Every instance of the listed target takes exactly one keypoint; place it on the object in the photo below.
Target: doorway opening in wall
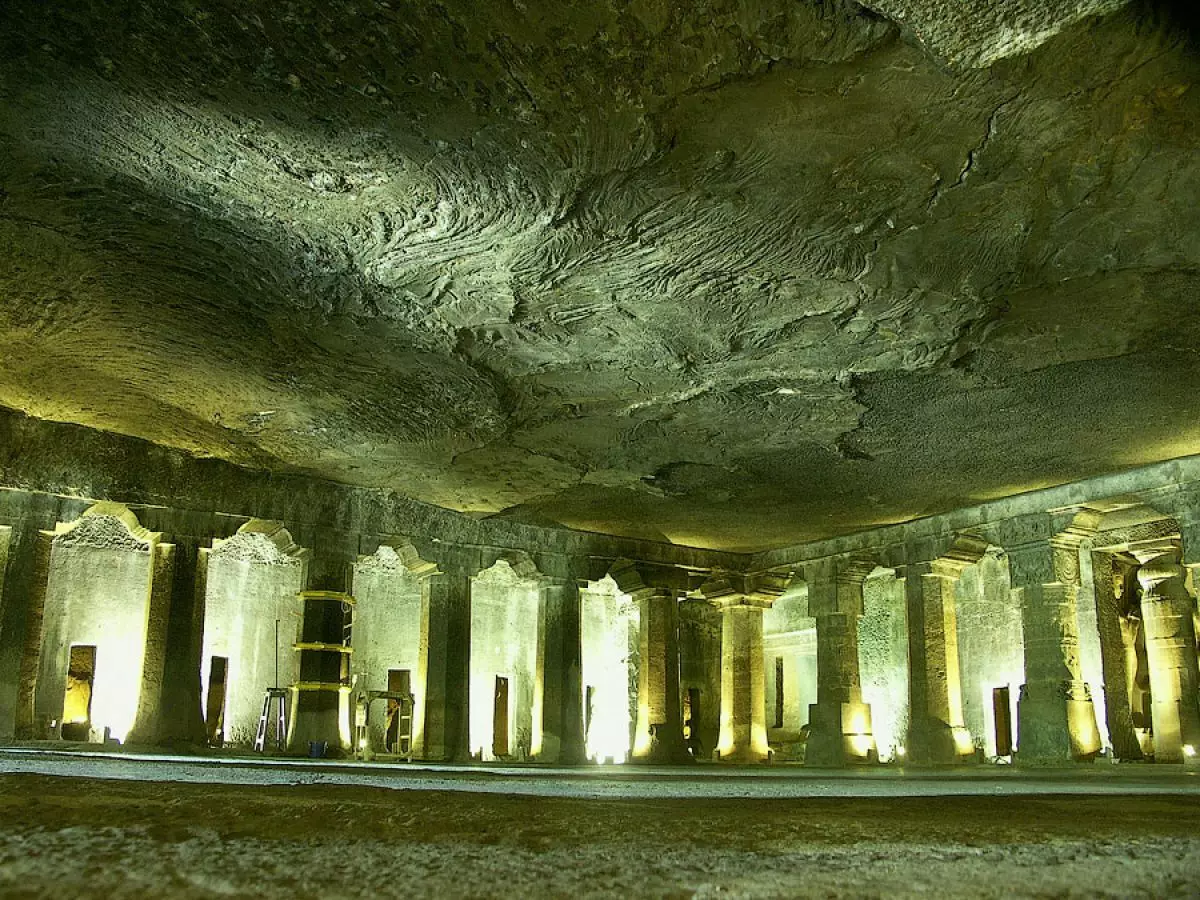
(1002, 714)
(214, 703)
(691, 721)
(588, 701)
(778, 692)
(500, 718)
(77, 703)
(398, 735)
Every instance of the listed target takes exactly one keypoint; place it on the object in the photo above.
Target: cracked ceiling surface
(735, 274)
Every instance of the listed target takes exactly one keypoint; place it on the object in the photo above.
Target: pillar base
(840, 735)
(560, 753)
(746, 754)
(666, 747)
(319, 714)
(935, 743)
(1056, 724)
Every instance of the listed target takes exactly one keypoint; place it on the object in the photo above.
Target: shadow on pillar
(560, 668)
(659, 739)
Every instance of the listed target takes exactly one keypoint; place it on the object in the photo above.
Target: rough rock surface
(735, 274)
(66, 837)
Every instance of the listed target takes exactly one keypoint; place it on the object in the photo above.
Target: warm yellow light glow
(1189, 750)
(118, 679)
(858, 724)
(609, 636)
(900, 751)
(608, 733)
(861, 744)
(963, 742)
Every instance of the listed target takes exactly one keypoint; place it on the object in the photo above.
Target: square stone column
(147, 725)
(1056, 722)
(443, 675)
(659, 732)
(937, 734)
(24, 573)
(743, 736)
(25, 587)
(1167, 611)
(560, 675)
(839, 722)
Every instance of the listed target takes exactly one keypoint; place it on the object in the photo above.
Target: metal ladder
(260, 740)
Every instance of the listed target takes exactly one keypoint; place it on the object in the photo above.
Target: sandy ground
(77, 837)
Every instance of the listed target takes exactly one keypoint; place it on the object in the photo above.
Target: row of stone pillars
(1056, 719)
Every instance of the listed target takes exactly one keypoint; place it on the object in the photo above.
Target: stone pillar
(937, 734)
(443, 676)
(25, 586)
(560, 736)
(839, 722)
(743, 735)
(23, 578)
(180, 719)
(320, 707)
(1055, 718)
(1171, 653)
(1110, 592)
(659, 732)
(147, 725)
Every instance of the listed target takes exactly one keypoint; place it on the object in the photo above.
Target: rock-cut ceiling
(735, 274)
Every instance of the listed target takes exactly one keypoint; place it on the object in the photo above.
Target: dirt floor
(73, 837)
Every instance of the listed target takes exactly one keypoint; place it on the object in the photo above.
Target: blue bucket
(316, 749)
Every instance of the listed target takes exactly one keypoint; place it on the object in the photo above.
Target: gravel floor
(76, 837)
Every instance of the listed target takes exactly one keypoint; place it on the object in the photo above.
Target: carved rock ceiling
(736, 274)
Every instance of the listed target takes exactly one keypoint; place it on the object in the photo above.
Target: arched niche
(883, 660)
(505, 615)
(390, 588)
(610, 634)
(790, 666)
(94, 623)
(251, 621)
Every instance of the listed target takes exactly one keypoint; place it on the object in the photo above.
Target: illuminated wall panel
(386, 634)
(790, 635)
(97, 595)
(504, 636)
(610, 630)
(252, 619)
(990, 645)
(883, 661)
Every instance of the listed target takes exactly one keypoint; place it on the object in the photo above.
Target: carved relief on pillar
(1057, 720)
(1170, 640)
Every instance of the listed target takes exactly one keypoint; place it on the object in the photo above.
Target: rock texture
(735, 274)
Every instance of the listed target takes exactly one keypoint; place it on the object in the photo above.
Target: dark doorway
(779, 692)
(691, 721)
(500, 718)
(214, 703)
(1002, 712)
(77, 703)
(587, 709)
